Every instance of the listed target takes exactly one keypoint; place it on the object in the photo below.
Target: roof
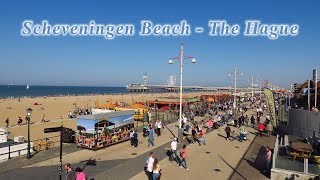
(138, 106)
(106, 115)
(173, 100)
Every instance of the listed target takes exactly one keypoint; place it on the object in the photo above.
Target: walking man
(173, 155)
(246, 119)
(151, 136)
(242, 133)
(228, 131)
(158, 125)
(252, 121)
(149, 166)
(193, 135)
(70, 173)
(183, 155)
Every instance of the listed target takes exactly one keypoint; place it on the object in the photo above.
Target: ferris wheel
(172, 80)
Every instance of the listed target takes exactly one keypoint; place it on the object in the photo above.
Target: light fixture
(170, 61)
(29, 111)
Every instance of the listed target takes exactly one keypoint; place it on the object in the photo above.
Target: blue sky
(95, 61)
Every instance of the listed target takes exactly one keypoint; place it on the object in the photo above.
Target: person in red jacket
(261, 128)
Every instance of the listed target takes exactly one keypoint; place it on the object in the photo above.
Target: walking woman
(156, 170)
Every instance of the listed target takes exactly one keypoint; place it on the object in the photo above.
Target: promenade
(219, 159)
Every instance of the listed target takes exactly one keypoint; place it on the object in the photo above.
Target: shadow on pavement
(234, 170)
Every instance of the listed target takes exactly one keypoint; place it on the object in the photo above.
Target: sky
(96, 61)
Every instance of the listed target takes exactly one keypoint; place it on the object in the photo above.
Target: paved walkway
(217, 160)
(22, 161)
(252, 163)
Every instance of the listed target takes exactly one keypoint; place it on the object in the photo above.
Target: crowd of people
(194, 132)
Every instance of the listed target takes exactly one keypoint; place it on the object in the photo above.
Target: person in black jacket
(228, 131)
(135, 139)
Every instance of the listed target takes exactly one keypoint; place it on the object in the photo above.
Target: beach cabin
(3, 136)
(96, 131)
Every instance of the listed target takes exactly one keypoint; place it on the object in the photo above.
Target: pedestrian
(246, 119)
(233, 136)
(269, 129)
(267, 160)
(193, 135)
(80, 174)
(202, 136)
(184, 121)
(7, 122)
(252, 122)
(131, 136)
(43, 120)
(228, 131)
(261, 129)
(156, 170)
(158, 125)
(151, 136)
(135, 139)
(183, 155)
(149, 166)
(242, 133)
(258, 120)
(173, 155)
(70, 174)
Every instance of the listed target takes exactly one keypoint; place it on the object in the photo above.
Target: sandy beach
(56, 110)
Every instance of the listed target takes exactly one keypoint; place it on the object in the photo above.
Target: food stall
(97, 131)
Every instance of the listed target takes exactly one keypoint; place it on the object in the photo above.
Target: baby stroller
(145, 131)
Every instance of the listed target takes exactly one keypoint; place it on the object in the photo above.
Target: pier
(166, 88)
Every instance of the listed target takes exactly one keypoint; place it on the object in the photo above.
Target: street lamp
(29, 111)
(156, 109)
(235, 74)
(181, 57)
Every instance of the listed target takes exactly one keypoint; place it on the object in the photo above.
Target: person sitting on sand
(19, 121)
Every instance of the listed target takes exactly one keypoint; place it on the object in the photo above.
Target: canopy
(106, 106)
(138, 106)
(164, 108)
(210, 99)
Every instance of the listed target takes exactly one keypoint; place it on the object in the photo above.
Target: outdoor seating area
(296, 154)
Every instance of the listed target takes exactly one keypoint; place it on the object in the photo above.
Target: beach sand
(56, 107)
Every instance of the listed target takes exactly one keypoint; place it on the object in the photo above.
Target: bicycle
(47, 144)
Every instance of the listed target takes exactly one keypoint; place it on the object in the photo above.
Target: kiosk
(96, 131)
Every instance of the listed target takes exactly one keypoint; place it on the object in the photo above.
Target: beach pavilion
(94, 131)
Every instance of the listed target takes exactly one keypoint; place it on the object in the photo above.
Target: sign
(51, 130)
(271, 106)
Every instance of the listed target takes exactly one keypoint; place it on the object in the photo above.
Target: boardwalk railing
(14, 150)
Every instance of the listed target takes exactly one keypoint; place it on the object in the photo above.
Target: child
(233, 136)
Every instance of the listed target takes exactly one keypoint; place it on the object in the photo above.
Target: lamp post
(29, 111)
(181, 57)
(156, 109)
(235, 74)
